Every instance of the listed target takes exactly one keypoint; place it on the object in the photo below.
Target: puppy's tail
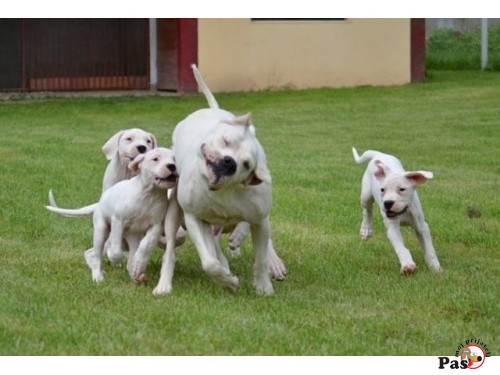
(78, 212)
(87, 210)
(367, 156)
(212, 103)
(52, 200)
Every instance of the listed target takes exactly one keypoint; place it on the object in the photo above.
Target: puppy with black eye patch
(393, 189)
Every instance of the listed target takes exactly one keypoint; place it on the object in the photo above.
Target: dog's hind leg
(141, 257)
(237, 237)
(367, 204)
(115, 252)
(93, 256)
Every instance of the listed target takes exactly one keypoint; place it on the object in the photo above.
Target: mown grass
(342, 296)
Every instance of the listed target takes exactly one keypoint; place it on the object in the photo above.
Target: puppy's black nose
(388, 204)
(141, 149)
(479, 358)
(171, 167)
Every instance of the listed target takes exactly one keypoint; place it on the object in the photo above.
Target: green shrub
(447, 49)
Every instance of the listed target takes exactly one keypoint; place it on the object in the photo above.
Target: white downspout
(484, 43)
(153, 61)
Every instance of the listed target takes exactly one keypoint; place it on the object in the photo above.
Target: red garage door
(77, 54)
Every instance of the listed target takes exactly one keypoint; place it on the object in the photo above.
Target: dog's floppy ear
(260, 174)
(111, 146)
(418, 177)
(153, 139)
(381, 170)
(135, 164)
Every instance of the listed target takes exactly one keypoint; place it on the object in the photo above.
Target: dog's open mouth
(391, 214)
(167, 182)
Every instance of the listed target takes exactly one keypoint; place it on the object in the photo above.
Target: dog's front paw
(161, 289)
(433, 263)
(365, 232)
(221, 275)
(116, 257)
(234, 252)
(228, 281)
(94, 263)
(408, 269)
(97, 276)
(263, 287)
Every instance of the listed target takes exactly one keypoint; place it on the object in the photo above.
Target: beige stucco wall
(241, 55)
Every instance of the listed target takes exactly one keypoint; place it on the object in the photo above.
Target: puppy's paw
(160, 289)
(116, 258)
(97, 276)
(234, 252)
(365, 232)
(408, 269)
(434, 264)
(140, 279)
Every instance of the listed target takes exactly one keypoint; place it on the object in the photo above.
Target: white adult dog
(223, 180)
(132, 210)
(386, 182)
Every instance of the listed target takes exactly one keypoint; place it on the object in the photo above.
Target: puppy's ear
(418, 177)
(381, 170)
(110, 148)
(135, 165)
(153, 139)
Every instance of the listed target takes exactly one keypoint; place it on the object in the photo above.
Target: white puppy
(120, 150)
(132, 210)
(386, 182)
(223, 180)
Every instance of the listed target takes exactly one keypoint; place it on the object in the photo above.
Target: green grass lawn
(342, 296)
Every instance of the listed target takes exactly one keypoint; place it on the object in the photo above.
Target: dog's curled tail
(367, 156)
(212, 103)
